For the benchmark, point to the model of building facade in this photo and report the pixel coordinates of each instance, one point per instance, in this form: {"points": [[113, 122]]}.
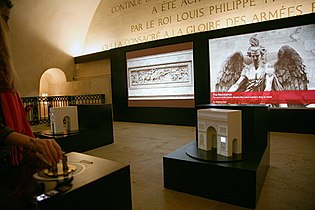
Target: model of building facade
{"points": [[64, 119], [220, 129]]}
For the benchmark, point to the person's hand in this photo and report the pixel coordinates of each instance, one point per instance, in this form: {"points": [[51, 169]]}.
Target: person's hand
{"points": [[48, 149]]}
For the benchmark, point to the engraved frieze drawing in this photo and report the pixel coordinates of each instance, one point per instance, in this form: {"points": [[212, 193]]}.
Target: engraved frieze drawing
{"points": [[165, 74], [161, 76]]}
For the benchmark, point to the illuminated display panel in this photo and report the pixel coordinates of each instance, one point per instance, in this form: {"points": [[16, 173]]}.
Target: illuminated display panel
{"points": [[274, 67], [161, 76]]}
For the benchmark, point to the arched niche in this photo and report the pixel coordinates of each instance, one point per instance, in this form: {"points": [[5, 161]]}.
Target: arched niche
{"points": [[212, 136], [49, 78]]}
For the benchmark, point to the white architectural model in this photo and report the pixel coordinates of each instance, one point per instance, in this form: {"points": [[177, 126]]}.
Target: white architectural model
{"points": [[64, 119], [221, 129]]}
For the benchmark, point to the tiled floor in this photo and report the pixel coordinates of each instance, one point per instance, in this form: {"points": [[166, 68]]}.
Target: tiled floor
{"points": [[290, 182]]}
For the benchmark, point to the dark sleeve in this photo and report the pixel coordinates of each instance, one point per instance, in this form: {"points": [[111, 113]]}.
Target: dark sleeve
{"points": [[4, 130]]}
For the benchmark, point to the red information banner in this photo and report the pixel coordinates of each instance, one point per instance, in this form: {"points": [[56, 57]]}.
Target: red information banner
{"points": [[265, 97]]}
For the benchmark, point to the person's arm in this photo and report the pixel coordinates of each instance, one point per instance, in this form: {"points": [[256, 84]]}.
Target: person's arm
{"points": [[48, 148], [44, 148], [4, 131]]}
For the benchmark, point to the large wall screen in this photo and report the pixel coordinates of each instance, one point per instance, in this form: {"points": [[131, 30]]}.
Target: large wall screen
{"points": [[161, 76], [274, 67]]}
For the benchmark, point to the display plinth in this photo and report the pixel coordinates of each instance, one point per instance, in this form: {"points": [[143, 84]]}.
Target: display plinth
{"points": [[95, 129], [210, 155], [102, 184], [235, 182]]}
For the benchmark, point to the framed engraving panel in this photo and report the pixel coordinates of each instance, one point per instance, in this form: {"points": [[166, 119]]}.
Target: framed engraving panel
{"points": [[161, 77]]}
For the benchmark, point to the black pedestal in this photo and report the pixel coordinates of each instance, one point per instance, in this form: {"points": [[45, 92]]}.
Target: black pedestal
{"points": [[237, 183], [95, 129], [237, 180], [102, 184]]}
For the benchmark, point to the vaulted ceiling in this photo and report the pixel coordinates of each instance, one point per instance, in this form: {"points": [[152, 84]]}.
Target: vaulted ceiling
{"points": [[60, 23], [47, 34]]}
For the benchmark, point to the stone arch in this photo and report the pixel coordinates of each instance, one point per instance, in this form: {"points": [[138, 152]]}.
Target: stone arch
{"points": [[50, 76], [66, 123], [212, 136]]}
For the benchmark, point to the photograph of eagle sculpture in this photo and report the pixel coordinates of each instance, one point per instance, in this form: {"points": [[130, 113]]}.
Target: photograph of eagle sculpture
{"points": [[252, 72]]}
